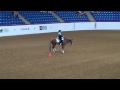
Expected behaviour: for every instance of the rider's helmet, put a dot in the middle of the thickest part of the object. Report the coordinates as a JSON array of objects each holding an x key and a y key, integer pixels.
[{"x": 59, "y": 31}]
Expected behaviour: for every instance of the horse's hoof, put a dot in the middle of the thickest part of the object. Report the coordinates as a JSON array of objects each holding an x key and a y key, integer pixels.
[
  {"x": 63, "y": 52},
  {"x": 54, "y": 51}
]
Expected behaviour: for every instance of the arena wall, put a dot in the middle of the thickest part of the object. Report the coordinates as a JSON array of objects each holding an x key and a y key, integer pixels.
[{"x": 49, "y": 28}]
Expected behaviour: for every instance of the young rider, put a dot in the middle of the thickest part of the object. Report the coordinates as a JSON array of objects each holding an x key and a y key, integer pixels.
[{"x": 60, "y": 36}]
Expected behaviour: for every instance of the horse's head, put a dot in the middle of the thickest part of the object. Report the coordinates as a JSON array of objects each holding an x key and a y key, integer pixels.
[{"x": 71, "y": 41}]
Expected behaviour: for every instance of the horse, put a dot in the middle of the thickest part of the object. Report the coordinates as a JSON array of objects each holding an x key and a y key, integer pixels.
[{"x": 55, "y": 41}]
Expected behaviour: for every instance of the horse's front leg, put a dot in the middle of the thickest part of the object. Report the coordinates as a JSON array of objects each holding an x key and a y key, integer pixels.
[
  {"x": 62, "y": 49},
  {"x": 54, "y": 48}
]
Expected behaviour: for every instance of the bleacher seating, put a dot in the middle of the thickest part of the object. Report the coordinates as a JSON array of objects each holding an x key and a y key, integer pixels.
[
  {"x": 6, "y": 18},
  {"x": 35, "y": 17},
  {"x": 106, "y": 15},
  {"x": 71, "y": 16}
]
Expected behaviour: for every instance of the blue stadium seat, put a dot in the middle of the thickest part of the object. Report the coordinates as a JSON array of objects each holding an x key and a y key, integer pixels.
[
  {"x": 35, "y": 17},
  {"x": 106, "y": 15},
  {"x": 6, "y": 18},
  {"x": 71, "y": 16}
]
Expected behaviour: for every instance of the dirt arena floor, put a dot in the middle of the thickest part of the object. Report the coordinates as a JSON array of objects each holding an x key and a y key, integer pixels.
[{"x": 94, "y": 55}]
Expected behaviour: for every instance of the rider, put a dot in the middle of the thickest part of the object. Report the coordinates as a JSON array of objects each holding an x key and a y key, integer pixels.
[{"x": 60, "y": 36}]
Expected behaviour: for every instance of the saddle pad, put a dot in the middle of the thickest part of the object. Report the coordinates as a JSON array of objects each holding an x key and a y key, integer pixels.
[{"x": 57, "y": 40}]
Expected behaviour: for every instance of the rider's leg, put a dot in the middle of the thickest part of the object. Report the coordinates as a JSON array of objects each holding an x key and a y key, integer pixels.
[
  {"x": 61, "y": 42},
  {"x": 60, "y": 39}
]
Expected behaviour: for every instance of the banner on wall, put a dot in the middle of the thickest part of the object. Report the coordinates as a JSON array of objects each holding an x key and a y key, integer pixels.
[
  {"x": 4, "y": 30},
  {"x": 42, "y": 27},
  {"x": 1, "y": 30},
  {"x": 24, "y": 29}
]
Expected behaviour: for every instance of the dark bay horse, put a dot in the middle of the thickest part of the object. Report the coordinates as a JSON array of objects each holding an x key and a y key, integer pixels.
[{"x": 53, "y": 43}]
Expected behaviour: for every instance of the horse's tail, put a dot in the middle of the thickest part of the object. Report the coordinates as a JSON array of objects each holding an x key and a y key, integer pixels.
[{"x": 50, "y": 46}]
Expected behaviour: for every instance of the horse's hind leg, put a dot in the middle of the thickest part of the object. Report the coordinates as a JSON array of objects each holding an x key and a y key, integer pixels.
[
  {"x": 54, "y": 47},
  {"x": 62, "y": 49}
]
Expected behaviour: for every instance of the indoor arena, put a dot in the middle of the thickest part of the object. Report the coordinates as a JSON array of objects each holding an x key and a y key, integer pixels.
[{"x": 93, "y": 55}]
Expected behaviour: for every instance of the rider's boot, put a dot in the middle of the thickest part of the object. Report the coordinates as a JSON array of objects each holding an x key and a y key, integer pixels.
[{"x": 61, "y": 42}]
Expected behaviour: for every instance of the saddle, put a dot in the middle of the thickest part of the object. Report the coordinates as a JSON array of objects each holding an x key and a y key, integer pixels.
[{"x": 58, "y": 40}]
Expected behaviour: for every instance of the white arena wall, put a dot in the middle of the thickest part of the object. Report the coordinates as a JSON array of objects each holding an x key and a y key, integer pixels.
[{"x": 49, "y": 28}]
